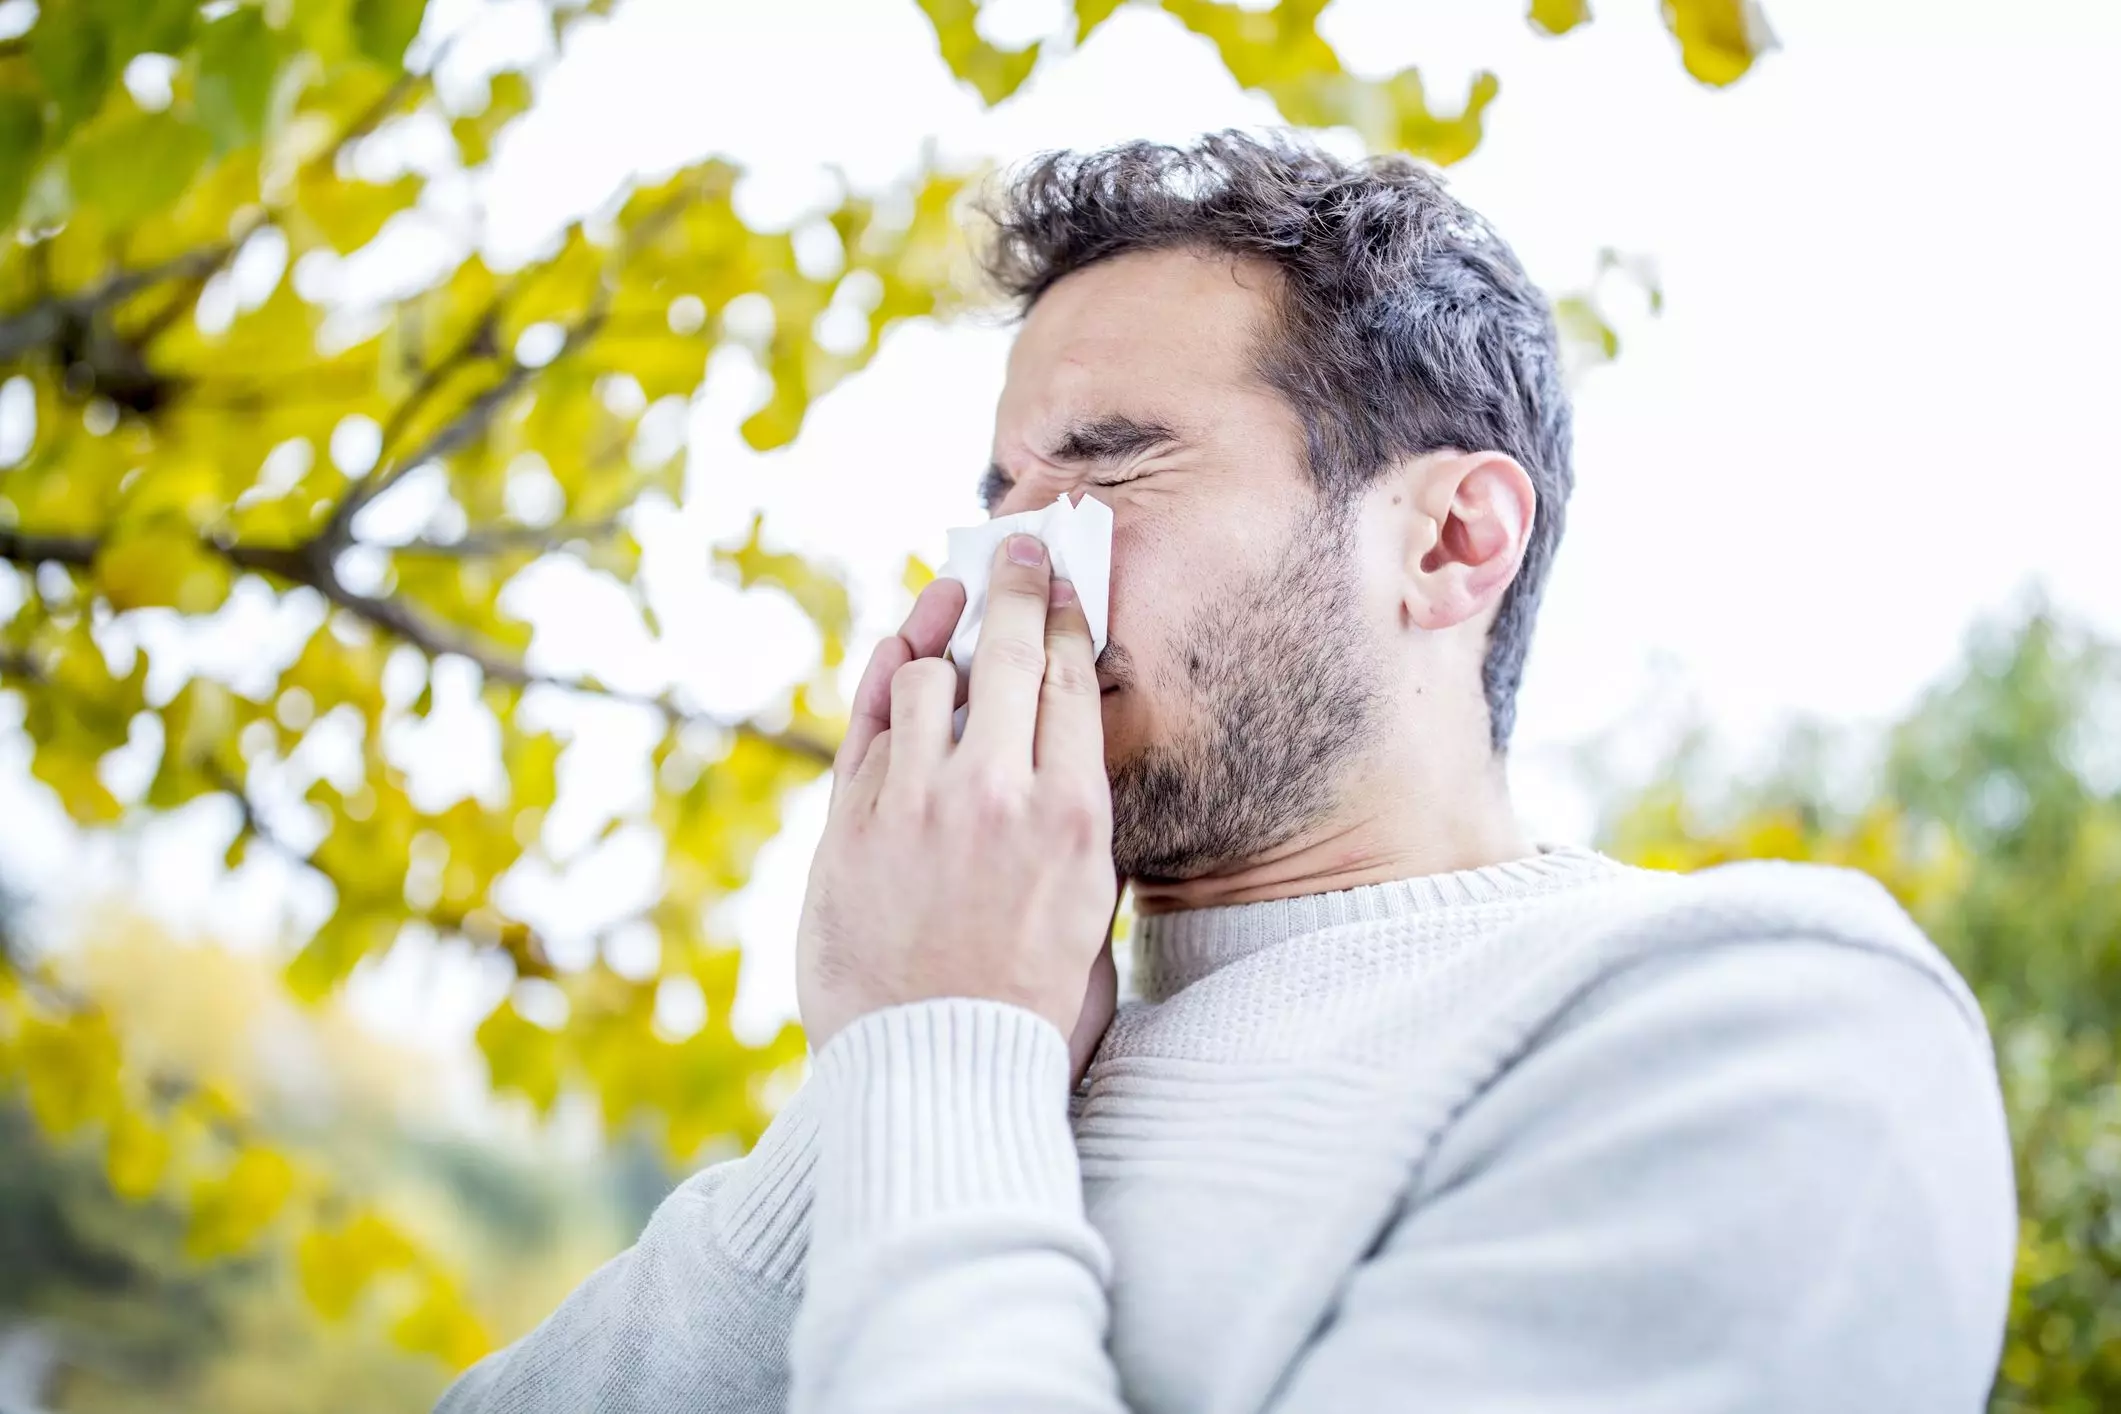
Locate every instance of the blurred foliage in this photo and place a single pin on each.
(196, 425)
(234, 1276)
(1994, 814)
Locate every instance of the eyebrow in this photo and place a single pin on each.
(1112, 437)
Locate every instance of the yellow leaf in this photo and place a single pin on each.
(663, 364)
(509, 96)
(1089, 14)
(340, 665)
(1718, 39)
(815, 590)
(917, 575)
(69, 1069)
(337, 1265)
(229, 1213)
(533, 765)
(137, 1155)
(73, 776)
(443, 1326)
(164, 566)
(1559, 16)
(1419, 131)
(350, 934)
(521, 1055)
(996, 73)
(346, 214)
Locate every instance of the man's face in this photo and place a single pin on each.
(1238, 676)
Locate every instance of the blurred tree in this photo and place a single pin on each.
(109, 1281)
(1994, 814)
(187, 419)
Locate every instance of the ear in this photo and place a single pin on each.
(1471, 517)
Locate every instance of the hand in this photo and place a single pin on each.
(981, 868)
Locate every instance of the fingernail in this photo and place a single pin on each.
(1026, 550)
(1060, 594)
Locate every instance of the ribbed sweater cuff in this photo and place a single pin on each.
(762, 1209)
(952, 1106)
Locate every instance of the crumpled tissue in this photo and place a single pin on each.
(1078, 537)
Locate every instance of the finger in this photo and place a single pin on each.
(868, 779)
(1071, 722)
(934, 618)
(870, 713)
(921, 703)
(1010, 662)
(925, 634)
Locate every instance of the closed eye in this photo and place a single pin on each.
(994, 488)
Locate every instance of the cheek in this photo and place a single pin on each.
(1149, 595)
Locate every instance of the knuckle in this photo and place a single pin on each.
(908, 806)
(1017, 581)
(1080, 821)
(1023, 655)
(1068, 676)
(922, 675)
(992, 794)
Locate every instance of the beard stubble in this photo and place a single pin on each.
(1277, 690)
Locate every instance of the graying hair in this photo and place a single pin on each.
(1405, 323)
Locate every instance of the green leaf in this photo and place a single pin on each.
(1584, 327)
(21, 144)
(149, 26)
(384, 29)
(72, 54)
(132, 164)
(238, 56)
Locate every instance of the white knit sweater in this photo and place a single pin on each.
(1557, 1135)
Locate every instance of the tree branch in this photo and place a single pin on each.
(310, 564)
(516, 938)
(474, 416)
(15, 664)
(470, 420)
(434, 640)
(506, 538)
(29, 549)
(42, 323)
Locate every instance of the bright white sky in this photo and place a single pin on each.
(1870, 412)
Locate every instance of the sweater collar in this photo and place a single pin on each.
(1175, 950)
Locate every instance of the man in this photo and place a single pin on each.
(1410, 1113)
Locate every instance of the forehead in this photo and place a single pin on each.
(1157, 332)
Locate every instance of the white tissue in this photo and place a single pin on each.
(1079, 539)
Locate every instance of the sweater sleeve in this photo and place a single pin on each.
(693, 1319)
(951, 1268)
(1760, 1177)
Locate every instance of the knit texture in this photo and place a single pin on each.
(1556, 1134)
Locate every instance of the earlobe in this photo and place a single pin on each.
(1472, 519)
